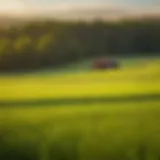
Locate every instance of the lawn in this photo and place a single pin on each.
(107, 126)
(100, 131)
(142, 79)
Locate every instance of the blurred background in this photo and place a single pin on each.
(79, 80)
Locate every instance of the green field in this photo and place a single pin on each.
(142, 79)
(105, 131)
(115, 115)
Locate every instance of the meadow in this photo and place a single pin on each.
(115, 115)
(139, 79)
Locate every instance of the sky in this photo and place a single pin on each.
(77, 7)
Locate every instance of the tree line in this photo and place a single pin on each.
(49, 44)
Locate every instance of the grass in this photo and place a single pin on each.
(111, 131)
(140, 80)
(94, 115)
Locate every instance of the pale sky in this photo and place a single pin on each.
(20, 7)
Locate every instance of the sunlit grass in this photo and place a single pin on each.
(123, 130)
(139, 80)
(126, 130)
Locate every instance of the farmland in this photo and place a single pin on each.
(101, 124)
(134, 80)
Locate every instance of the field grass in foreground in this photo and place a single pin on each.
(100, 131)
(94, 120)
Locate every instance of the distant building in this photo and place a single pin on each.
(105, 64)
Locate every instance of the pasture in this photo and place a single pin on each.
(105, 131)
(141, 79)
(109, 126)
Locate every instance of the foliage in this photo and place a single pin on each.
(63, 42)
(21, 44)
(44, 43)
(4, 44)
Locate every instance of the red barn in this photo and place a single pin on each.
(105, 64)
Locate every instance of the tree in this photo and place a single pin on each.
(44, 43)
(4, 45)
(22, 44)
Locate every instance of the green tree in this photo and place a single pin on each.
(22, 44)
(4, 45)
(44, 43)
